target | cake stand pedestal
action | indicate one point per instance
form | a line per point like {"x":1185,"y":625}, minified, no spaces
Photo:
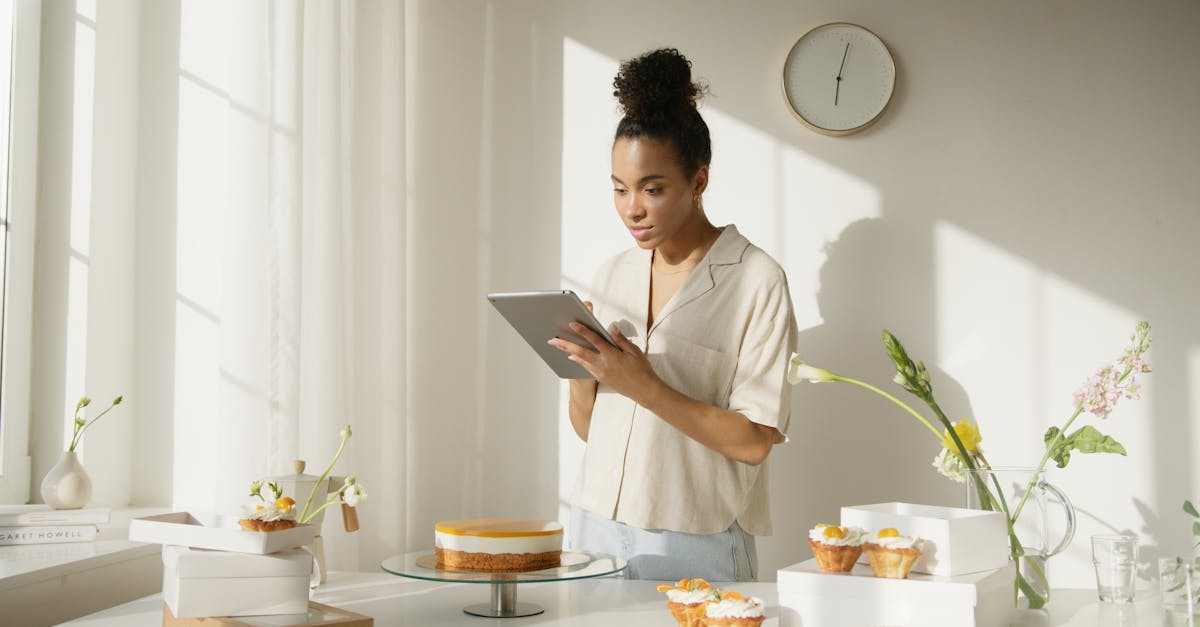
{"x":504,"y":585}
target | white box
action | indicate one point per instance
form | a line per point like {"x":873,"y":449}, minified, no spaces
{"x":811,"y":598}
{"x":221,"y":533}
{"x":198,"y":583}
{"x":957,"y":541}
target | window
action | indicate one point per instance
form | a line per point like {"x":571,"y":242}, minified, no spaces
{"x":19,"y":40}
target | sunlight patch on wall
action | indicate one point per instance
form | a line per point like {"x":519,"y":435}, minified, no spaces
{"x":591,"y":229}
{"x":785,"y":201}
{"x":75,"y":376}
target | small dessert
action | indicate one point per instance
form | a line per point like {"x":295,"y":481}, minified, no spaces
{"x":279,"y":514}
{"x":836,"y":548}
{"x":892,"y":555}
{"x":687,"y":600}
{"x":498,"y":544}
{"x":734,"y":610}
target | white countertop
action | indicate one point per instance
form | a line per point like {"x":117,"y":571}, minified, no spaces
{"x":607,"y":601}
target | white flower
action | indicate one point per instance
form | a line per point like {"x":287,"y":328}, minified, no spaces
{"x":950,"y":466}
{"x":355,"y":493}
{"x":799,"y":371}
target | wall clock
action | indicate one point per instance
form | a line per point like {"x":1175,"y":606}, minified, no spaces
{"x":838,"y":78}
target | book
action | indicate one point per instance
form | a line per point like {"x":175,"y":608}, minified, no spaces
{"x":41,"y":515}
{"x":48,"y":534}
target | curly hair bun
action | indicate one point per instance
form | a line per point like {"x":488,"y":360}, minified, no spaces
{"x":656,"y":85}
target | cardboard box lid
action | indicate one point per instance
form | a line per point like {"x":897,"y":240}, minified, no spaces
{"x":806,"y":578}
{"x":188,"y":563}
{"x":216,"y":532}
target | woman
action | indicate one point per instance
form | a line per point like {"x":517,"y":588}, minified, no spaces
{"x":685,"y":409}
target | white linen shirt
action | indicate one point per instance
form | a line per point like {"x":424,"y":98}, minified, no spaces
{"x":723,"y":339}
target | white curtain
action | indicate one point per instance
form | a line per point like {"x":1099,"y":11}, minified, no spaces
{"x":223,"y":242}
{"x":320,"y":176}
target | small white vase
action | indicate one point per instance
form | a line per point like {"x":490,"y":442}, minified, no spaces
{"x":67,"y":485}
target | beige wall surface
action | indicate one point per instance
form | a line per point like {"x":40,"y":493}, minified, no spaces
{"x":1031,"y":192}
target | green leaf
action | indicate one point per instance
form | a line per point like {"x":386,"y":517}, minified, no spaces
{"x":1051,"y":433}
{"x":1190,"y":509}
{"x":1088,"y":439}
{"x":1196,"y":528}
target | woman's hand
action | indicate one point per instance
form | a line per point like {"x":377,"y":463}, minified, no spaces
{"x":624,"y":368}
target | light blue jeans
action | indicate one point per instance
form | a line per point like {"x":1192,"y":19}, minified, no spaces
{"x":663,"y":555}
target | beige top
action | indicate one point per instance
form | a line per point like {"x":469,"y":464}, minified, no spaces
{"x":723,"y":339}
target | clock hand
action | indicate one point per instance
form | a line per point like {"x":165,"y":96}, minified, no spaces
{"x":839,"y":75}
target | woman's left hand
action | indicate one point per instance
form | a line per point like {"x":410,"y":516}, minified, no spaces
{"x":624,"y":368}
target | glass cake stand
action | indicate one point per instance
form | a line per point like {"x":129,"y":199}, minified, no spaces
{"x":423,"y":565}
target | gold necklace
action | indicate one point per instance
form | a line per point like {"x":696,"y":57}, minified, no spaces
{"x":665,"y":273}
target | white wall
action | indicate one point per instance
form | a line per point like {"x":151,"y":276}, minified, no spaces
{"x":1029,"y":195}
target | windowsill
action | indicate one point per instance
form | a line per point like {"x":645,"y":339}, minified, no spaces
{"x":87,"y":575}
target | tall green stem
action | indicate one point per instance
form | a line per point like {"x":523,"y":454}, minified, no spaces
{"x":304,"y":515}
{"x":899,"y":403}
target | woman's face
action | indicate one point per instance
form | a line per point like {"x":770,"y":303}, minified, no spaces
{"x":650,"y":191}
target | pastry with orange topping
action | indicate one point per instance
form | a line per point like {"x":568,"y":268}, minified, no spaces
{"x":733,"y":609}
{"x":890,"y":554}
{"x":836,"y":548}
{"x":498,"y":544}
{"x":687,"y":600}
{"x":273,"y":516}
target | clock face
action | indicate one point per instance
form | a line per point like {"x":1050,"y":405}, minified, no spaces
{"x":838,"y":78}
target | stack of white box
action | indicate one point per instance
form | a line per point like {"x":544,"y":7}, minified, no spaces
{"x":963,"y":578}
{"x":212,"y":567}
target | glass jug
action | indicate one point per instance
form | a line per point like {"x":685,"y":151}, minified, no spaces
{"x":1028,"y":501}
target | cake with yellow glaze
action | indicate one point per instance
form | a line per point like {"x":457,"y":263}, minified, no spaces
{"x":498,"y":544}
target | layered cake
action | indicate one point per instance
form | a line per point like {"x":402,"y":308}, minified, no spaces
{"x":498,"y":544}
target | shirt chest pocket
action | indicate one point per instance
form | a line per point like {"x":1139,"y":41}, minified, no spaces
{"x":698,"y":371}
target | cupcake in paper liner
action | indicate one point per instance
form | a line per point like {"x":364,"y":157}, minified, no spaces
{"x":892,"y":555}
{"x":836,"y":548}
{"x":734,"y":610}
{"x":687,"y":599}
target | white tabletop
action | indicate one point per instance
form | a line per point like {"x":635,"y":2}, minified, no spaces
{"x":608,"y":601}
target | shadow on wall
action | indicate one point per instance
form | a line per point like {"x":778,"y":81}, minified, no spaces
{"x":847,"y":445}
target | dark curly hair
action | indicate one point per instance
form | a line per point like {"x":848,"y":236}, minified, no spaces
{"x":658,"y":98}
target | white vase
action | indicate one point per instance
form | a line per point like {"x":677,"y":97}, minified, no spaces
{"x":67,"y":485}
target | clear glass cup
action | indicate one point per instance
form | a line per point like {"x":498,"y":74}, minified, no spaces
{"x":1178,"y":582}
{"x":1115,"y":560}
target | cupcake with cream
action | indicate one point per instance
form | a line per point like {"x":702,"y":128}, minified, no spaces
{"x":836,"y":548}
{"x":734,"y":610}
{"x":273,"y":516}
{"x":687,"y":600}
{"x":892,"y":555}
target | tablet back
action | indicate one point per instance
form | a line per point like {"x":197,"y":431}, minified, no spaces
{"x":541,"y":316}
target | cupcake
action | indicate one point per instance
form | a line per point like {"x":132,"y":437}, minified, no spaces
{"x":274,"y":516}
{"x":836,"y":548}
{"x":892,"y":555}
{"x":687,"y":599}
{"x":734,"y":610}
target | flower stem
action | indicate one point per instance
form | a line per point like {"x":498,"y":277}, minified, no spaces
{"x":79,"y":433}
{"x":897,"y":401}
{"x":304,"y":515}
{"x":1050,"y":446}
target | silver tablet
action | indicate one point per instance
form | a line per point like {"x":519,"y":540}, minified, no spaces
{"x":542,"y":316}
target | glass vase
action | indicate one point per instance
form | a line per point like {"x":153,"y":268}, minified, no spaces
{"x":1027,"y":501}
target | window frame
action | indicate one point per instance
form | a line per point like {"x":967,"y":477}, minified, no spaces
{"x":15,"y":484}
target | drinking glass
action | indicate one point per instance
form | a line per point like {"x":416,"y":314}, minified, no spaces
{"x":1115,"y":559}
{"x":1178,"y":582}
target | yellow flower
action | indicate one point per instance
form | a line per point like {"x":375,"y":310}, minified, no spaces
{"x":967,"y":432}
